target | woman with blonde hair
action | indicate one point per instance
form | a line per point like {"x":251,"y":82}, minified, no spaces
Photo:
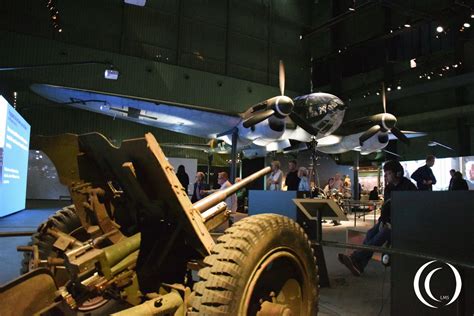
{"x":304,"y":183}
{"x":275,"y":178}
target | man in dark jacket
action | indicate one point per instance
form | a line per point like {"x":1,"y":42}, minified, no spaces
{"x":292,"y":180}
{"x":424,"y":176}
{"x":380,"y":233}
{"x":451,"y":172}
{"x":459,"y":184}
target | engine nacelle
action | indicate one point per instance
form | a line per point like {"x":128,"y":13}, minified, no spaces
{"x":351,"y":142}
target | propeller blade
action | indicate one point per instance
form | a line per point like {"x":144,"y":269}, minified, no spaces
{"x":281,"y":73}
{"x":395,"y":131}
{"x":384,"y":98}
{"x":368,"y":134}
{"x":257,"y":118}
{"x":301,"y":122}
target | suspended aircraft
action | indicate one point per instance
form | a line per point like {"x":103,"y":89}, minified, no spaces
{"x":366,"y":134}
{"x":260,"y":129}
{"x":265,"y":127}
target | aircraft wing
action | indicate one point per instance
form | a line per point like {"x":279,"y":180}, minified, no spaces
{"x":181,"y":118}
{"x":408,"y":134}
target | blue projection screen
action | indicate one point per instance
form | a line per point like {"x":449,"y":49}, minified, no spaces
{"x":14,"y":149}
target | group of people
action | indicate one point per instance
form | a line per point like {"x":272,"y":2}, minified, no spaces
{"x":425,"y":178}
{"x":202,"y":189}
{"x":457,"y":182}
{"x":338,"y":185}
{"x":296,"y":179}
{"x":395,"y":180}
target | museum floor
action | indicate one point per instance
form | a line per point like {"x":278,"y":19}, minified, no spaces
{"x":348,"y":295}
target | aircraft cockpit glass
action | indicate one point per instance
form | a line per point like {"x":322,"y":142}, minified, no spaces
{"x":317,"y":105}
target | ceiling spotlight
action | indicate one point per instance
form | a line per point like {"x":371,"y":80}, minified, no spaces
{"x":399,"y":87}
{"x":389,"y":89}
{"x":439,"y":29}
{"x":413,"y":63}
{"x":467,"y":25}
{"x":472,"y":15}
{"x":429,"y":77}
{"x":111,"y":74}
{"x":407,"y":23}
{"x":352,"y":7}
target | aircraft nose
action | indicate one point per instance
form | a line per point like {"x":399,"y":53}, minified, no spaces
{"x":389,"y":121}
{"x":283,"y":106}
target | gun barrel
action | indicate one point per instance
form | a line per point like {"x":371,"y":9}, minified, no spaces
{"x":221,"y":195}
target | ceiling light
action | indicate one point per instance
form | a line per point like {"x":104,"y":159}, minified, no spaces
{"x":407,"y":23}
{"x":111,"y":74}
{"x":439,"y":29}
{"x":399,"y":87}
{"x":467,"y":25}
{"x":472,"y":15}
{"x":389,"y":89}
{"x":413,"y":63}
{"x":429,"y":77}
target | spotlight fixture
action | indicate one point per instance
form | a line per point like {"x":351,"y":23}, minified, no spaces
{"x":399,"y":87}
{"x":389,"y":89}
{"x":352,"y":6}
{"x":413,"y":63}
{"x":407,"y":23}
{"x":111,"y":73}
{"x":466,"y":25}
{"x":439,"y":29}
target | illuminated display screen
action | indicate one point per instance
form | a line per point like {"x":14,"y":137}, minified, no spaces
{"x":14,"y":149}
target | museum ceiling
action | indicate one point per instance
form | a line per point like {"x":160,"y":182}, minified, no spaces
{"x":224,"y":55}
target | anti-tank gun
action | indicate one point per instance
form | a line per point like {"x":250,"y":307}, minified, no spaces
{"x":141,"y":235}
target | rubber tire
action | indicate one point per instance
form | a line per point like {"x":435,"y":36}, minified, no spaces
{"x":64,"y":220}
{"x":237,"y":253}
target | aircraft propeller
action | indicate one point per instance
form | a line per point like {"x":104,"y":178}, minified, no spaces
{"x":383,"y":122}
{"x":280,"y":106}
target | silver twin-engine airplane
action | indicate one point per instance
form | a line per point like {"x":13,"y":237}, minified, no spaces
{"x":264,"y":127}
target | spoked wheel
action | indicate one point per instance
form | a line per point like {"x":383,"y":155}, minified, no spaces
{"x":66,"y":221}
{"x":262,"y":265}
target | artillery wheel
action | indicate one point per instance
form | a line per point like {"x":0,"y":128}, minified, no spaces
{"x":262,"y":265}
{"x":65,"y":220}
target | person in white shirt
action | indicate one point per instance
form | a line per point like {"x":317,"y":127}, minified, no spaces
{"x":275,"y":179}
{"x":223,"y":181}
{"x":304,"y":183}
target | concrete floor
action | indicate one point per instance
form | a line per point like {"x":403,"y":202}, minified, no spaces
{"x":348,"y":295}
